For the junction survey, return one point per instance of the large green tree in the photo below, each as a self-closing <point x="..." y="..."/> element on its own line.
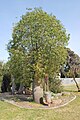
<point x="37" y="47"/>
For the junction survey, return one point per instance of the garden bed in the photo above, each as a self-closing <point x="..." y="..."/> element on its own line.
<point x="24" y="101"/>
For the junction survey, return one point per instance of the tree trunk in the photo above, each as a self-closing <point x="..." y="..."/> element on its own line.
<point x="13" y="87"/>
<point x="33" y="84"/>
<point x="76" y="84"/>
<point x="38" y="94"/>
<point x="21" y="88"/>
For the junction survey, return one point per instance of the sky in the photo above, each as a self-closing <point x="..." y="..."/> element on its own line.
<point x="67" y="11"/>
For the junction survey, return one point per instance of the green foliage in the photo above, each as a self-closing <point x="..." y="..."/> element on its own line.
<point x="55" y="85"/>
<point x="72" y="65"/>
<point x="19" y="68"/>
<point x="1" y="69"/>
<point x="37" y="47"/>
<point x="6" y="68"/>
<point x="1" y="72"/>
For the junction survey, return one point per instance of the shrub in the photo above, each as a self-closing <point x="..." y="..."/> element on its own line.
<point x="55" y="85"/>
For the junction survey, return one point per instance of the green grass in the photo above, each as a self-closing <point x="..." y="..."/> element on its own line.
<point x="70" y="88"/>
<point x="68" y="112"/>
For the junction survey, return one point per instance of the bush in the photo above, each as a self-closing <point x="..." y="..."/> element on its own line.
<point x="55" y="85"/>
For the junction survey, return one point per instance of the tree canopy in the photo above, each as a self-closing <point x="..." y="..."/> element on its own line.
<point x="72" y="64"/>
<point x="37" y="46"/>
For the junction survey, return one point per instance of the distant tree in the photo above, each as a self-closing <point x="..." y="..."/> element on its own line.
<point x="6" y="78"/>
<point x="5" y="87"/>
<point x="72" y="66"/>
<point x="37" y="47"/>
<point x="1" y="70"/>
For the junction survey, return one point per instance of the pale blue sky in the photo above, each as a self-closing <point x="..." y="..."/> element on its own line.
<point x="67" y="11"/>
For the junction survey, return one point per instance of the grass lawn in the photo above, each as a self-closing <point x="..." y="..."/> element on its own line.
<point x="70" y="88"/>
<point x="68" y="112"/>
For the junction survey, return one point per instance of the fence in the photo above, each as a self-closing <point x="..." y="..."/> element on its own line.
<point x="69" y="80"/>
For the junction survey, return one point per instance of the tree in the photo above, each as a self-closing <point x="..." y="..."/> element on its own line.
<point x="1" y="70"/>
<point x="6" y="78"/>
<point x="40" y="40"/>
<point x="74" y="63"/>
<point x="18" y="67"/>
<point x="72" y="66"/>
